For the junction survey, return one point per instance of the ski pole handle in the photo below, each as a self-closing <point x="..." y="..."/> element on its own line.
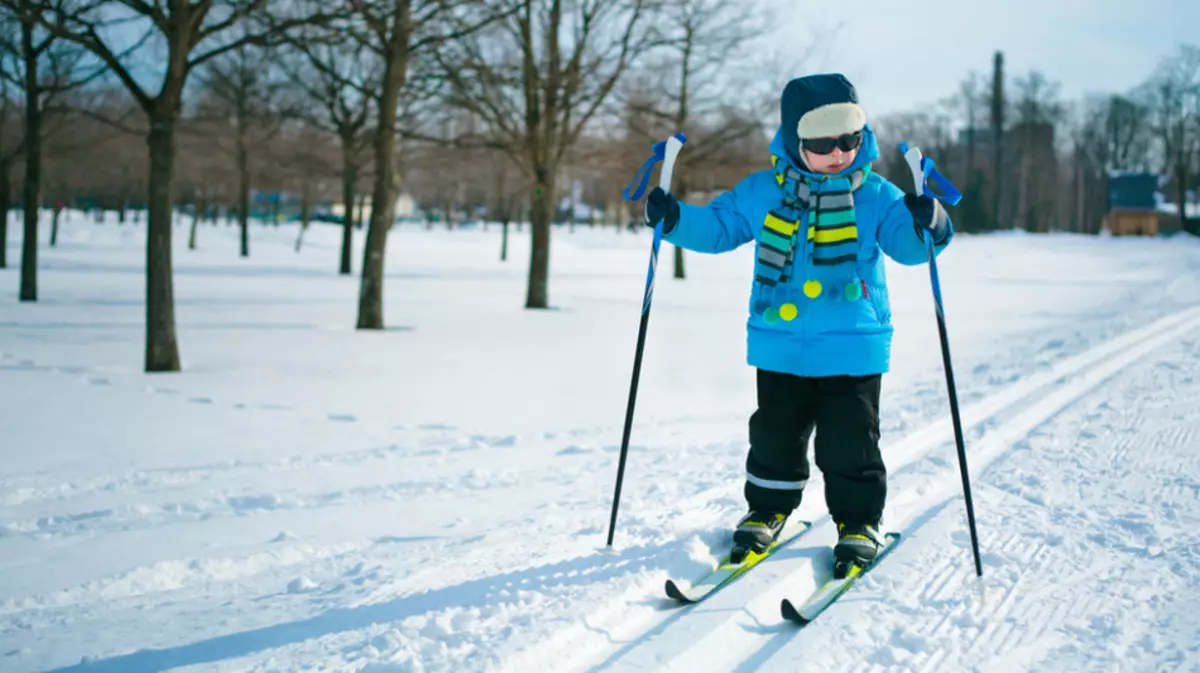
<point x="670" y="153"/>
<point x="923" y="169"/>
<point x="913" y="156"/>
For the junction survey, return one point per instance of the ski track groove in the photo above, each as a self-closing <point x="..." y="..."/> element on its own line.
<point x="1007" y="630"/>
<point x="1074" y="377"/>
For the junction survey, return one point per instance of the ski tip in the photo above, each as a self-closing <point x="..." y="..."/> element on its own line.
<point x="790" y="613"/>
<point x="674" y="592"/>
<point x="681" y="137"/>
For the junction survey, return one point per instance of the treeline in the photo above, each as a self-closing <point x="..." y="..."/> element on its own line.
<point x="1025" y="157"/>
<point x="484" y="106"/>
<point x="511" y="110"/>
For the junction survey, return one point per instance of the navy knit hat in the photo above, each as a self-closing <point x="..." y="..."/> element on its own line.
<point x="819" y="106"/>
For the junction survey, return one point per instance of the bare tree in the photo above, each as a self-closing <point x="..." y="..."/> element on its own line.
<point x="45" y="67"/>
<point x="310" y="155"/>
<point x="341" y="78"/>
<point x="400" y="33"/>
<point x="190" y="33"/>
<point x="203" y="180"/>
<point x="1037" y="113"/>
<point x="11" y="147"/>
<point x="696" y="80"/>
<point x="504" y="195"/>
<point x="928" y="127"/>
<point x="239" y="85"/>
<point x="536" y="81"/>
<point x="1174" y="95"/>
<point x="1090" y="161"/>
<point x="970" y="104"/>
<point x="1127" y="133"/>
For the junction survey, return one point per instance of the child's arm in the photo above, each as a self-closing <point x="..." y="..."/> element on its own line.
<point x="897" y="232"/>
<point x="720" y="226"/>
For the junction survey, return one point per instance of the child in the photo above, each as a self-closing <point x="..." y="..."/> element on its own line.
<point x="819" y="332"/>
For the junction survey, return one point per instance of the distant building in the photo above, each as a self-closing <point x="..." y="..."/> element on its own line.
<point x="1133" y="204"/>
<point x="405" y="208"/>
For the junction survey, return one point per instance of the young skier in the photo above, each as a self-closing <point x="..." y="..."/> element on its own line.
<point x="819" y="331"/>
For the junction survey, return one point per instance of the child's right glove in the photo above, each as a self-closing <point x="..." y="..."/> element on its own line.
<point x="928" y="215"/>
<point x="662" y="206"/>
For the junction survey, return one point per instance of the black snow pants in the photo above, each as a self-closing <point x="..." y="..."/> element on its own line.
<point x="844" y="411"/>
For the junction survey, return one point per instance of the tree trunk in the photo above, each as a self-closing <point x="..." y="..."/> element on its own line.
<point x="1181" y="184"/>
<point x="54" y="226"/>
<point x="572" y="206"/>
<point x="33" y="167"/>
<point x="1077" y="204"/>
<point x="5" y="207"/>
<point x="349" y="181"/>
<point x="997" y="135"/>
<point x="970" y="144"/>
<point x="680" y="272"/>
<point x="504" y="240"/>
<point x="383" y="198"/>
<point x="197" y="214"/>
<point x="162" y="352"/>
<point x="305" y="210"/>
<point x="243" y="169"/>
<point x="541" y="214"/>
<point x="1022" y="215"/>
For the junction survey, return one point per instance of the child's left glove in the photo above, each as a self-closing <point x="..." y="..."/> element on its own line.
<point x="928" y="215"/>
<point x="662" y="206"/>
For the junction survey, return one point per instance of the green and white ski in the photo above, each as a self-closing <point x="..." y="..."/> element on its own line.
<point x="727" y="571"/>
<point x="832" y="589"/>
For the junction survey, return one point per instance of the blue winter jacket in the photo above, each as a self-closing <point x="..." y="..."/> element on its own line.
<point x="831" y="334"/>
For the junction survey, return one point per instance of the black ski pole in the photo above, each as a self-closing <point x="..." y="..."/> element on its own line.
<point x="666" y="152"/>
<point x="921" y="168"/>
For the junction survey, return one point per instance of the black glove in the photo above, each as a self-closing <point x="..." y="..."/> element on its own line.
<point x="662" y="207"/>
<point x="928" y="215"/>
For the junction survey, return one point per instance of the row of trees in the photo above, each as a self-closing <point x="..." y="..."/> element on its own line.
<point x="218" y="82"/>
<point x="485" y="104"/>
<point x="1026" y="157"/>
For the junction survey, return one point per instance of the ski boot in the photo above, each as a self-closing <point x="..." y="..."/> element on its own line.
<point x="856" y="546"/>
<point x="755" y="532"/>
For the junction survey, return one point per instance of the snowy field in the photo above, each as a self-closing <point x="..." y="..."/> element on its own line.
<point x="434" y="497"/>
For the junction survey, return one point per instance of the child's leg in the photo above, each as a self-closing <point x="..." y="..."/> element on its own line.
<point x="847" y="448"/>
<point x="777" y="465"/>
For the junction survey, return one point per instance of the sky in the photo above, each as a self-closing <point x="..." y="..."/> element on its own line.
<point x="901" y="55"/>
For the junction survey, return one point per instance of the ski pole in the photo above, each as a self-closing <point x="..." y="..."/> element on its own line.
<point x="922" y="169"/>
<point x="665" y="151"/>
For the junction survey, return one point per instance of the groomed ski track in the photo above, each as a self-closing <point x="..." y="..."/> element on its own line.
<point x="740" y="629"/>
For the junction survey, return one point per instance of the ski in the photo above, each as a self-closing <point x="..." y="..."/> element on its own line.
<point x="832" y="589"/>
<point x="727" y="571"/>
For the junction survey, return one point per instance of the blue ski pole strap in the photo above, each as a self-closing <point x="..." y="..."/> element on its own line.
<point x="950" y="193"/>
<point x="642" y="179"/>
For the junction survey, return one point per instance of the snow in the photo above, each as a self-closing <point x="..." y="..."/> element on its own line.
<point x="436" y="496"/>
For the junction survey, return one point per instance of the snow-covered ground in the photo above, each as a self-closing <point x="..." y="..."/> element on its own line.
<point x="435" y="497"/>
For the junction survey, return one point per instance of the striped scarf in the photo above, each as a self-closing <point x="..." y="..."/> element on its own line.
<point x="832" y="237"/>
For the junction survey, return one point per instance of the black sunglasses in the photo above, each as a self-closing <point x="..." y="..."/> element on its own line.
<point x="825" y="145"/>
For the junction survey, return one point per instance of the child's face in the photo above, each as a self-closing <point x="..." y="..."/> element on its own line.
<point x="834" y="162"/>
